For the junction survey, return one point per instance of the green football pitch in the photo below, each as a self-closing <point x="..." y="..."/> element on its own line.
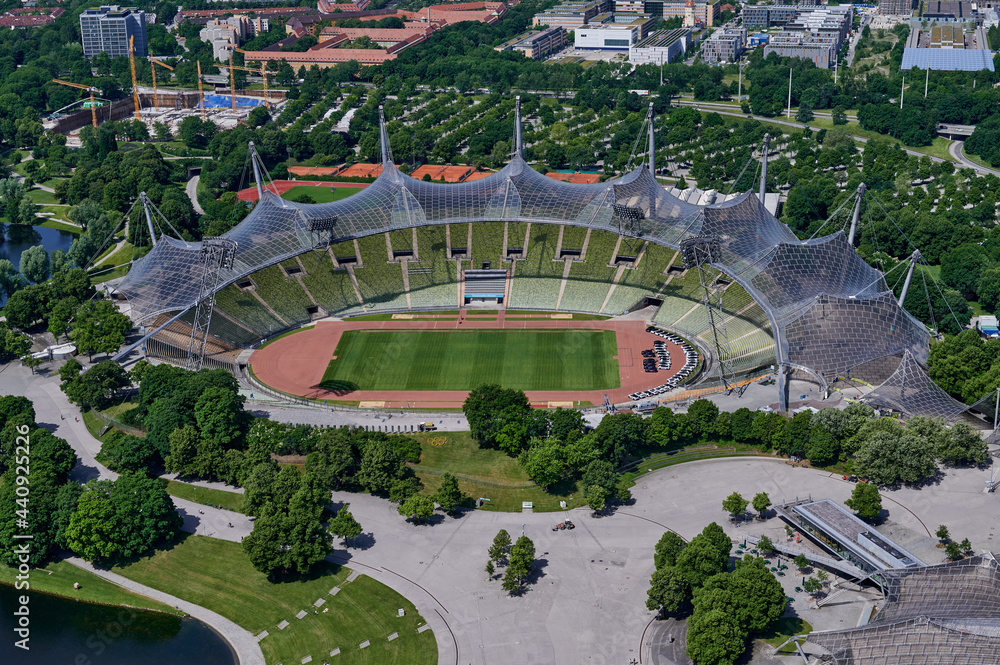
<point x="464" y="359"/>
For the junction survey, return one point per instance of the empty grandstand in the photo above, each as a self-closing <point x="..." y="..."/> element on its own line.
<point x="827" y="311"/>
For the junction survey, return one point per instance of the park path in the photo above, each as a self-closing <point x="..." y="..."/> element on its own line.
<point x="191" y="189"/>
<point x="243" y="643"/>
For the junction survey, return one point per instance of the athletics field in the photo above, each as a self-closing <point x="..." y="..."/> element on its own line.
<point x="430" y="360"/>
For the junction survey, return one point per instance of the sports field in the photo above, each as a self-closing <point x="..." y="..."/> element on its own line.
<point x="464" y="359"/>
<point x="319" y="194"/>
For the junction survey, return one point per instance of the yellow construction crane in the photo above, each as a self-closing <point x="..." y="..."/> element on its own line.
<point x="156" y="99"/>
<point x="135" y="82"/>
<point x="263" y="74"/>
<point x="232" y="82"/>
<point x="201" y="91"/>
<point x="93" y="108"/>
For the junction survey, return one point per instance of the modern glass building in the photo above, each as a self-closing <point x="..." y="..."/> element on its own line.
<point x="108" y="28"/>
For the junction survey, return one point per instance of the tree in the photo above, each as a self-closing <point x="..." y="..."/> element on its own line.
<point x="380" y="464"/>
<point x="127" y="454"/>
<point x="184" y="443"/>
<point x="702" y="415"/>
<point x="448" y="496"/>
<point x="962" y="445"/>
<point x="99" y="328"/>
<point x="668" y="590"/>
<point x="619" y="434"/>
<point x="417" y="508"/>
<point x="839" y="116"/>
<point x="761" y="502"/>
<point x="343" y="525"/>
<point x="498" y="550"/>
<point x="812" y="585"/>
<point x="668" y="548"/>
<point x="522" y="557"/>
<point x="966" y="546"/>
<point x="765" y="545"/>
<point x="544" y="462"/>
<point x="707" y="554"/>
<point x="489" y="408"/>
<point x="942" y="533"/>
<point x="714" y="638"/>
<point x="597" y="498"/>
<point x="220" y="416"/>
<point x="801" y="562"/>
<point x="10" y="278"/>
<point x="98" y="386"/>
<point x="35" y="264"/>
<point x="953" y="550"/>
<point x="735" y="504"/>
<point x="823" y="448"/>
<point x="490" y="568"/>
<point x="865" y="501"/>
<point x="890" y="456"/>
<point x="121" y="519"/>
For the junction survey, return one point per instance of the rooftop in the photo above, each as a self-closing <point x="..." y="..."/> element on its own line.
<point x="860" y="538"/>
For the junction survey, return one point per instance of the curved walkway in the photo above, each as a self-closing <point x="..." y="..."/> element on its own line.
<point x="242" y="642"/>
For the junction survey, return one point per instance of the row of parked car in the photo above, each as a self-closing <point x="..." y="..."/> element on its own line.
<point x="659" y="358"/>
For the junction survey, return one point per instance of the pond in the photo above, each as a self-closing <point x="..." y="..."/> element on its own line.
<point x="68" y="631"/>
<point x="18" y="238"/>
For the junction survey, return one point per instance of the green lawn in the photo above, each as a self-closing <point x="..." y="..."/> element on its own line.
<point x="464" y="359"/>
<point x="217" y="575"/>
<point x="483" y="472"/>
<point x="784" y="628"/>
<point x="320" y="194"/>
<point x="209" y="497"/>
<point x="58" y="577"/>
<point x="41" y="197"/>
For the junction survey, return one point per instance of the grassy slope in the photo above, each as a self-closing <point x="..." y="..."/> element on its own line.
<point x="486" y="473"/>
<point x="460" y="360"/>
<point x="58" y="577"/>
<point x="217" y="575"/>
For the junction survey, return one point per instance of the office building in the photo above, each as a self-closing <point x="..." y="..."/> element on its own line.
<point x="536" y="45"/>
<point x="661" y="47"/>
<point x="108" y="28"/>
<point x="706" y="13"/>
<point x="572" y="15"/>
<point x="724" y="46"/>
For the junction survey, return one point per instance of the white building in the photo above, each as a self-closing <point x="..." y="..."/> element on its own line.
<point x="661" y="47"/>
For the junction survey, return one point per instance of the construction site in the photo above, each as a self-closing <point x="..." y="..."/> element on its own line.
<point x="152" y="105"/>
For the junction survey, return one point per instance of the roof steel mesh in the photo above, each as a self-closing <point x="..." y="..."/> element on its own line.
<point x="936" y="615"/>
<point x="829" y="310"/>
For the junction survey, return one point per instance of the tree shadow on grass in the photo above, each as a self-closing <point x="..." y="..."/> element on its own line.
<point x="336" y="386"/>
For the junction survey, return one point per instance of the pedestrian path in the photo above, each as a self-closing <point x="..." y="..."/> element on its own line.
<point x="241" y="641"/>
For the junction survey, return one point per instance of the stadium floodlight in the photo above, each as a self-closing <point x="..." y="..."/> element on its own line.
<point x="321" y="224"/>
<point x="628" y="213"/>
<point x="701" y="250"/>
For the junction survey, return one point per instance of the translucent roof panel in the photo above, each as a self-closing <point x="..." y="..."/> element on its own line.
<point x="830" y="311"/>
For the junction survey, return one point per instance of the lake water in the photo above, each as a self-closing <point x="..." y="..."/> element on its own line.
<point x="68" y="632"/>
<point x="18" y="238"/>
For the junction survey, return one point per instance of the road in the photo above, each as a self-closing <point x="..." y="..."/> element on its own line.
<point x="865" y="20"/>
<point x="192" y="191"/>
<point x="955" y="150"/>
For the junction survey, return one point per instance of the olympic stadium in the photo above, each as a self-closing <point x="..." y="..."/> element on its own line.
<point x="813" y="309"/>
